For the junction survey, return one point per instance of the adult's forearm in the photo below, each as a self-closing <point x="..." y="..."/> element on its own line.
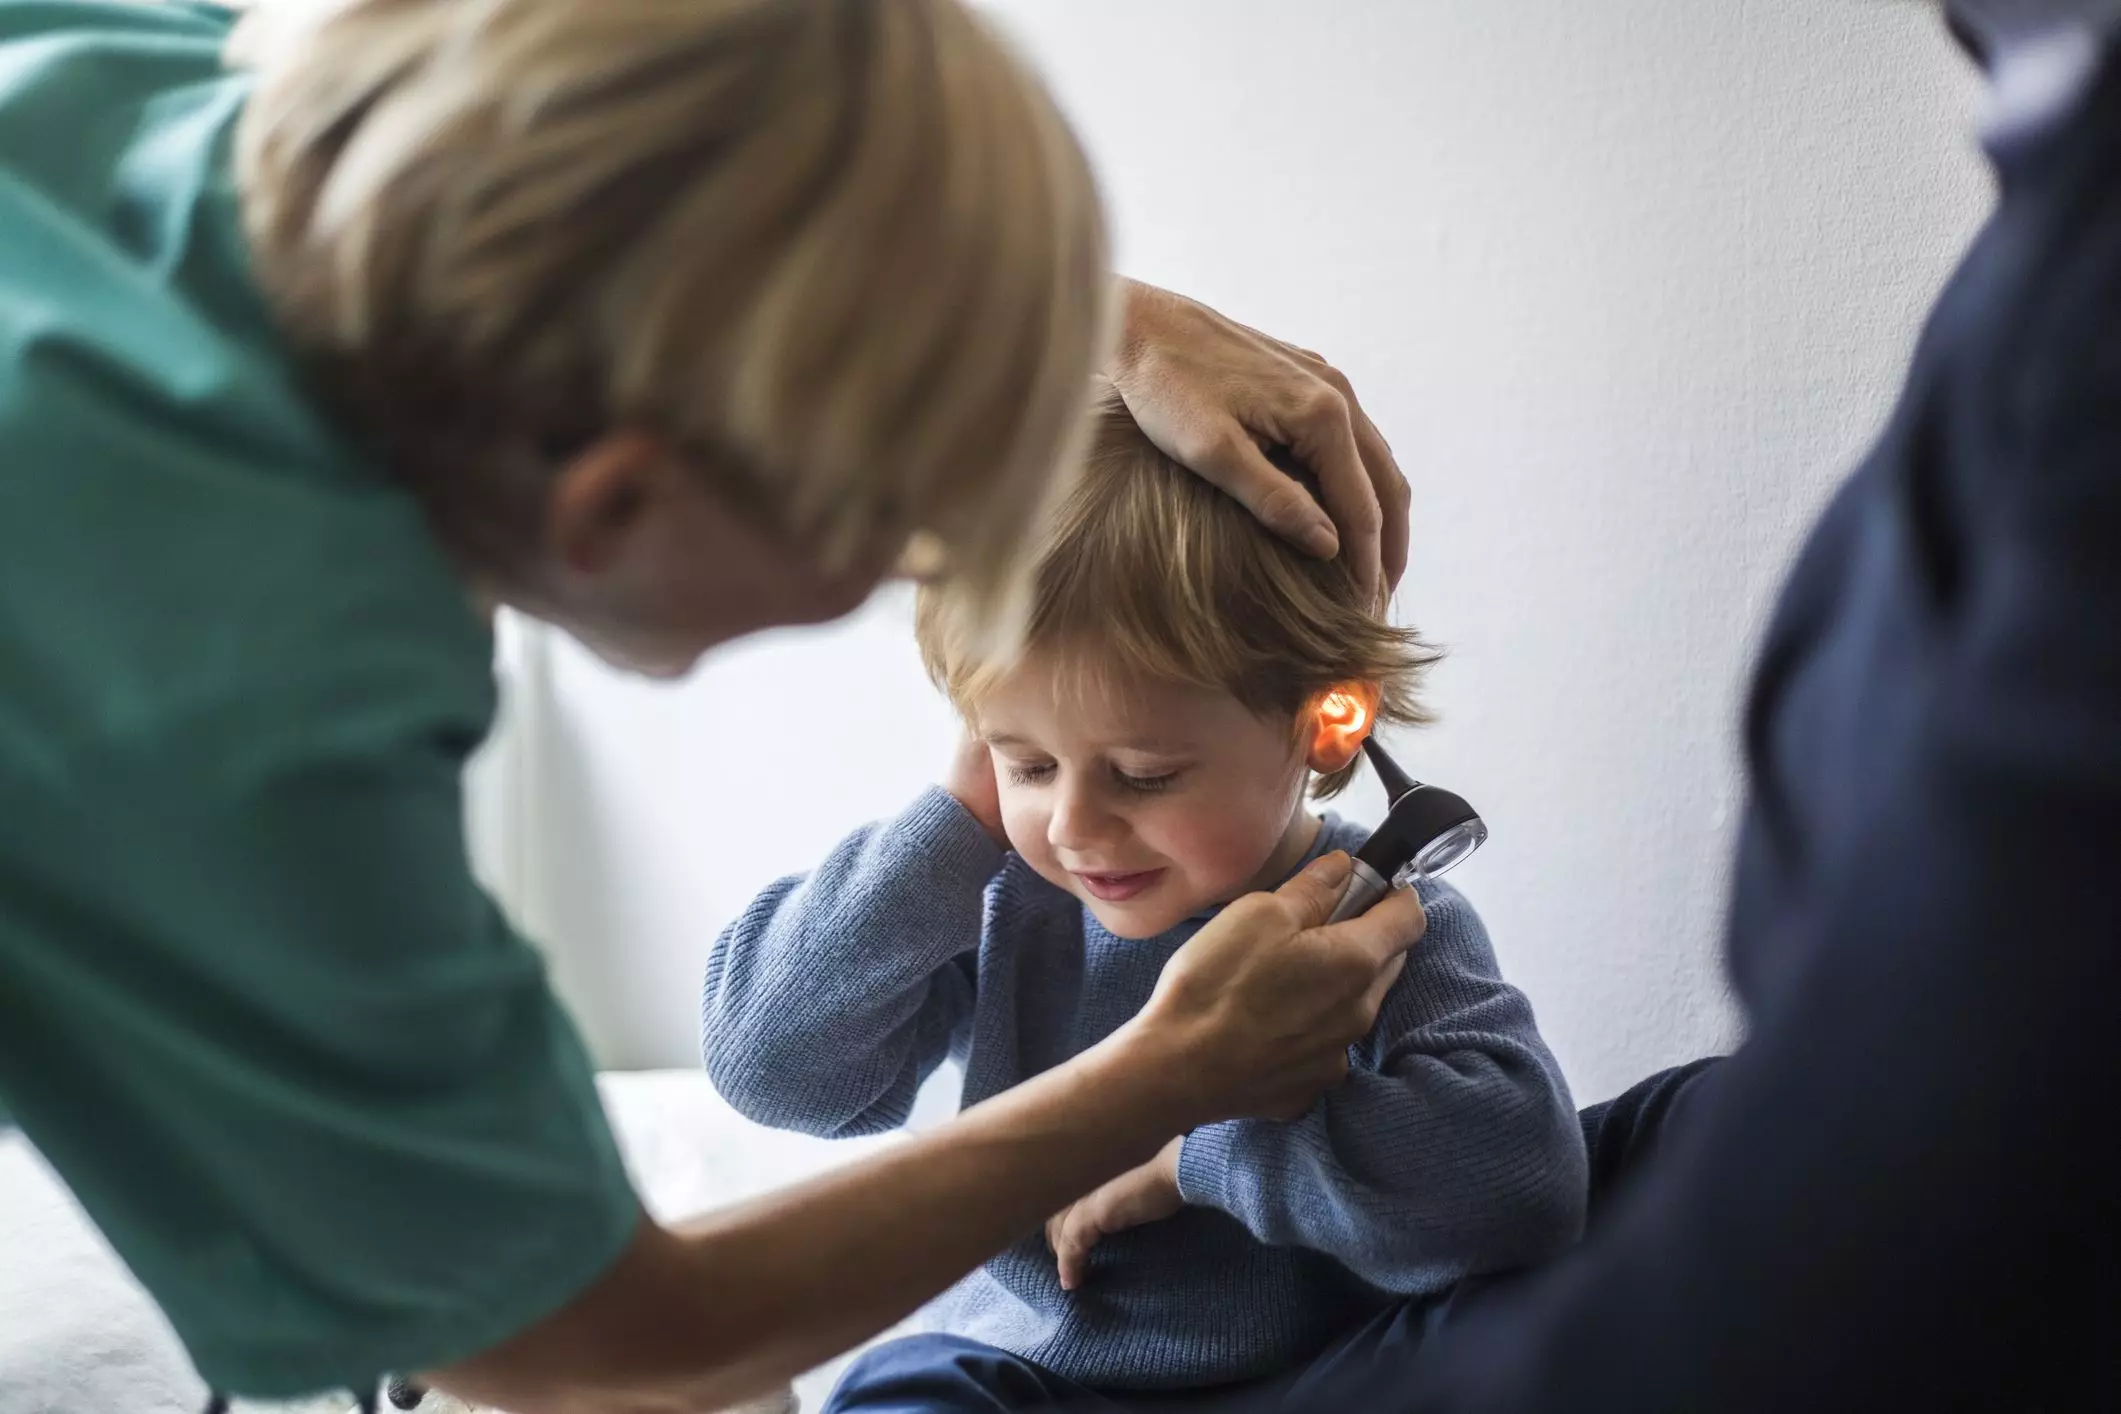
<point x="1254" y="1016"/>
<point x="739" y="1302"/>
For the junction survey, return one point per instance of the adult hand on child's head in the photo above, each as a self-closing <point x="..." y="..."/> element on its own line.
<point x="1139" y="1196"/>
<point x="970" y="780"/>
<point x="1261" y="1005"/>
<point x="1212" y="393"/>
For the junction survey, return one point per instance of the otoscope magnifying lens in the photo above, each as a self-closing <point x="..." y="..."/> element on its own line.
<point x="1449" y="849"/>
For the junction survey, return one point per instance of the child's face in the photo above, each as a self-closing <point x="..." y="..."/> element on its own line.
<point x="1147" y="801"/>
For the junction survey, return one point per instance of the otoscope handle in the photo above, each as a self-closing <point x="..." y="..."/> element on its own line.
<point x="1364" y="888"/>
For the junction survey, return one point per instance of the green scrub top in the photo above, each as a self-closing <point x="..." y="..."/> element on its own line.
<point x="253" y="1007"/>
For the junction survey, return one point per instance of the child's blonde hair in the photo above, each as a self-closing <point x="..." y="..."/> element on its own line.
<point x="844" y="255"/>
<point x="1149" y="570"/>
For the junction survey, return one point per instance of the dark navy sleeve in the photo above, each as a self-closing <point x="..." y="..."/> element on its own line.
<point x="1905" y="1191"/>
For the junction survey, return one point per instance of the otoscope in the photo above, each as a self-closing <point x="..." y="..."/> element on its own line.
<point x="1427" y="831"/>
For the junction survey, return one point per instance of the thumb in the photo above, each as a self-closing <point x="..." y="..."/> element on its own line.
<point x="1317" y="887"/>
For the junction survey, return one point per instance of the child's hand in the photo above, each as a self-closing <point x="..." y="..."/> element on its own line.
<point x="971" y="780"/>
<point x="1147" y="1194"/>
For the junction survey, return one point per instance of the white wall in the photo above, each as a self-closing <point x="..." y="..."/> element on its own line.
<point x="1628" y="284"/>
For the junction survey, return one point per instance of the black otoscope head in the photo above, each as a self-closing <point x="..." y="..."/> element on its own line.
<point x="1395" y="781"/>
<point x="1427" y="830"/>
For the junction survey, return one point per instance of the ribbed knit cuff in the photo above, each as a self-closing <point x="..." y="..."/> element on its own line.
<point x="1204" y="1166"/>
<point x="952" y="847"/>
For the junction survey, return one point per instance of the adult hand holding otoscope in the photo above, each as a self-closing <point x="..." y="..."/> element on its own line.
<point x="1373" y="921"/>
<point x="1310" y="960"/>
<point x="1426" y="832"/>
<point x="1278" y="968"/>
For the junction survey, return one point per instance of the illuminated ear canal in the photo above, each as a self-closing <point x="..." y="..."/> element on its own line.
<point x="1341" y="720"/>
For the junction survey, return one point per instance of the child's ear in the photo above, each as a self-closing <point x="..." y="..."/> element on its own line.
<point x="1337" y="723"/>
<point x="602" y="497"/>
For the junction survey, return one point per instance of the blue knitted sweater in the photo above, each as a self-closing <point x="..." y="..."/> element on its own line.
<point x="1452" y="1148"/>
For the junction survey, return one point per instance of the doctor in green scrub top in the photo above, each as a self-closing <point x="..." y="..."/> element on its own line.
<point x="325" y="332"/>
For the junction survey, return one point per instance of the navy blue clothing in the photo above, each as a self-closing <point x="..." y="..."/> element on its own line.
<point x="1905" y="1191"/>
<point x="1622" y="1135"/>
<point x="950" y="1374"/>
<point x="953" y="1374"/>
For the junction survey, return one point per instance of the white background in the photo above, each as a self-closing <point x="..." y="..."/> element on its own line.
<point x="1628" y="285"/>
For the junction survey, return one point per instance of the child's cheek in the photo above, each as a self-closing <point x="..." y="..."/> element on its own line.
<point x="1024" y="822"/>
<point x="1218" y="849"/>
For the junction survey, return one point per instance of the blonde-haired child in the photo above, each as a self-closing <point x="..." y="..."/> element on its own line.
<point x="1143" y="761"/>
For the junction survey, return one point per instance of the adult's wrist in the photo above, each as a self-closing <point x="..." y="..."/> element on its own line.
<point x="1146" y="1073"/>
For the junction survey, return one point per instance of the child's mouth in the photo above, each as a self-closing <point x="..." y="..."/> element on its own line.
<point x="1118" y="888"/>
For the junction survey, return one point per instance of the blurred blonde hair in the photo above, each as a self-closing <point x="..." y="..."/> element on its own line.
<point x="1148" y="571"/>
<point x="846" y="256"/>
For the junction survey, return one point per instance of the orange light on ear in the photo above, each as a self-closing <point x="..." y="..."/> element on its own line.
<point x="1343" y="720"/>
<point x="1344" y="711"/>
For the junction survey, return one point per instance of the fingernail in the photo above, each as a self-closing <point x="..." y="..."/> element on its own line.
<point x="1330" y="868"/>
<point x="1321" y="539"/>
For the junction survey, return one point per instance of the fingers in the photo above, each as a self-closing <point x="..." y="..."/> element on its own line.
<point x="1375" y="998"/>
<point x="1381" y="467"/>
<point x="970" y="780"/>
<point x="1071" y="1234"/>
<point x="1056" y="1231"/>
<point x="1143" y="1195"/>
<point x="1237" y="466"/>
<point x="1389" y="930"/>
<point x="1210" y="391"/>
<point x="1316" y="889"/>
<point x="1395" y="499"/>
<point x="1322" y="433"/>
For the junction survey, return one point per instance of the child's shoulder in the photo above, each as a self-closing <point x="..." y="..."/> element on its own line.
<point x="1338" y="832"/>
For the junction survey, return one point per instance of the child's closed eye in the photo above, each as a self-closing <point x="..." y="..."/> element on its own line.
<point x="1038" y="773"/>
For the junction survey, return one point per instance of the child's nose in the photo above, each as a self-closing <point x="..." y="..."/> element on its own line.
<point x="1079" y="820"/>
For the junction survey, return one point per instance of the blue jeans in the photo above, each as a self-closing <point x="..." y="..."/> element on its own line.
<point x="947" y="1374"/>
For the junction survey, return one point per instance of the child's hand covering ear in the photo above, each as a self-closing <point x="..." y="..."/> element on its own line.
<point x="1137" y="1197"/>
<point x="971" y="781"/>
